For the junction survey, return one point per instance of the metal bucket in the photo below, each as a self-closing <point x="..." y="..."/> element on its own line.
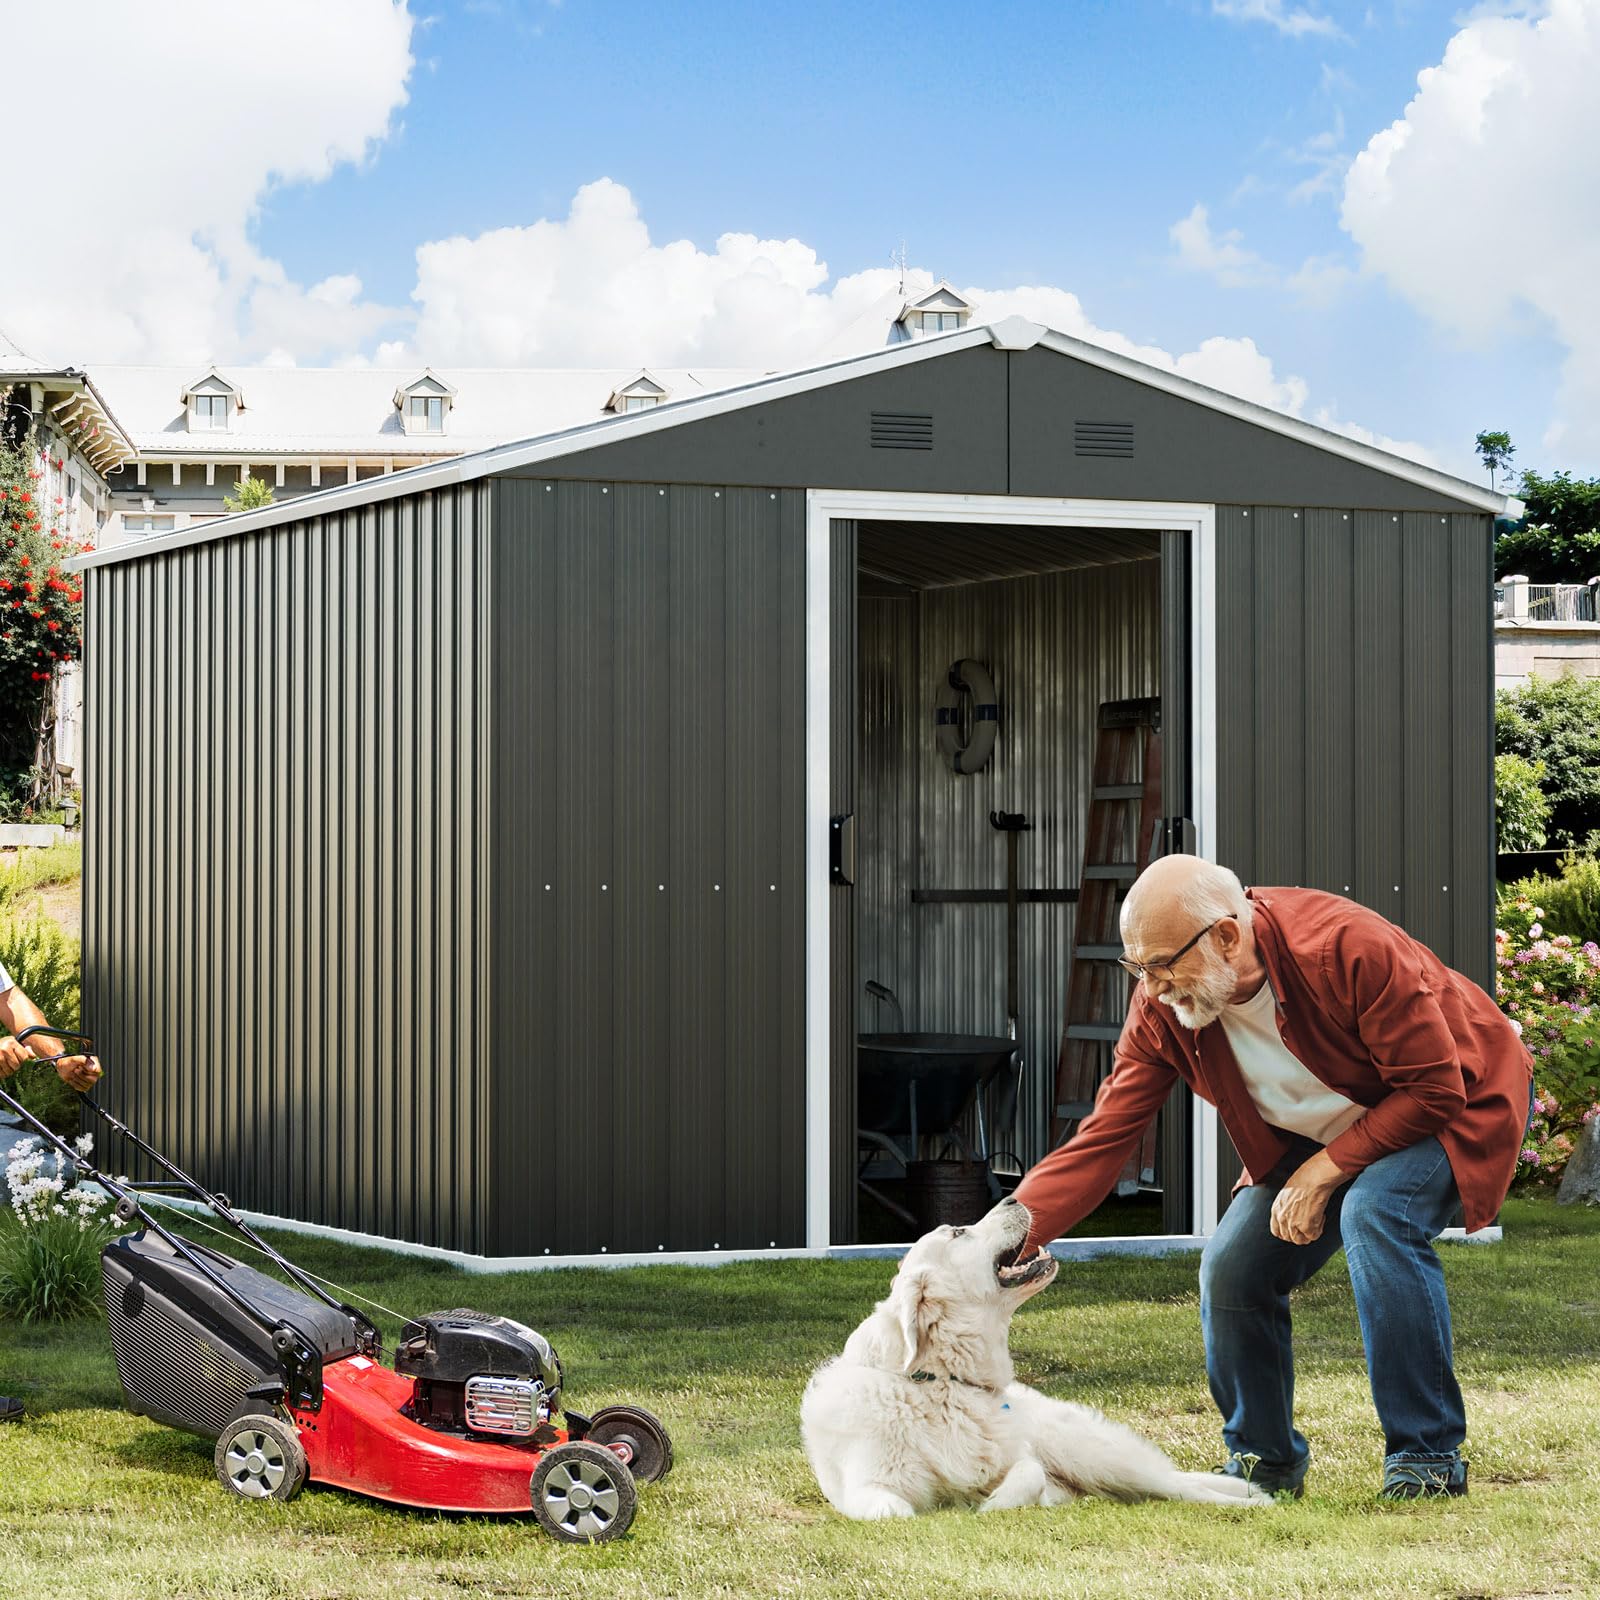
<point x="940" y="1192"/>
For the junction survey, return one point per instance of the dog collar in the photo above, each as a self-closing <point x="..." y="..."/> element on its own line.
<point x="950" y="1377"/>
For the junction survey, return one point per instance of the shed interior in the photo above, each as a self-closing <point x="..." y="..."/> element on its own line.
<point x="1065" y="619"/>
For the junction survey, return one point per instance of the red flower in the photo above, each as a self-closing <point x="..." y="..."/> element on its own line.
<point x="52" y="626"/>
<point x="27" y="588"/>
<point x="27" y="499"/>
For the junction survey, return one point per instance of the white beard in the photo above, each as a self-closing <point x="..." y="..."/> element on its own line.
<point x="1206" y="996"/>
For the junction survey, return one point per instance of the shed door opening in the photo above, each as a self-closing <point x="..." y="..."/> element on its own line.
<point x="1072" y="626"/>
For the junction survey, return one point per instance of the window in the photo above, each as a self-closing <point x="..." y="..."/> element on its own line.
<point x="640" y="402"/>
<point x="425" y="413"/>
<point x="210" y="411"/>
<point x="940" y="321"/>
<point x="143" y="522"/>
<point x="72" y="487"/>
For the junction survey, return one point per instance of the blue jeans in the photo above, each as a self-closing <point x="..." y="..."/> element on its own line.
<point x="1386" y="1218"/>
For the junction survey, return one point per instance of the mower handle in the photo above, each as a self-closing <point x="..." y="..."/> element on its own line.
<point x="56" y="1033"/>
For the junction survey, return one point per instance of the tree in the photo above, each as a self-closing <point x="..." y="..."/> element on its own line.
<point x="254" y="493"/>
<point x="1497" y="451"/>
<point x="1553" y="721"/>
<point x="1558" y="541"/>
<point x="41" y="623"/>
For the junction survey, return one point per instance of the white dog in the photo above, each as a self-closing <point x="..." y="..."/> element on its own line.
<point x="921" y="1409"/>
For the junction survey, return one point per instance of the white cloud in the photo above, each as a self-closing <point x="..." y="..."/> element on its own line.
<point x="1297" y="24"/>
<point x="1482" y="202"/>
<point x="1319" y="281"/>
<point x="1326" y="417"/>
<point x="1219" y="255"/>
<point x="180" y="116"/>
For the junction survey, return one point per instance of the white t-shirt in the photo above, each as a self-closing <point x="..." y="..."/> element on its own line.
<point x="5" y="980"/>
<point x="1284" y="1092"/>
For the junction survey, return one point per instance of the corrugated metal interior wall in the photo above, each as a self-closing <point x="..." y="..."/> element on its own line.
<point x="285" y="936"/>
<point x="1058" y="645"/>
<point x="649" y="966"/>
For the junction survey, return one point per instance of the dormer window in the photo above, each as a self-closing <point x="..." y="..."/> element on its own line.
<point x="424" y="413"/>
<point x="424" y="403"/>
<point x="640" y="393"/>
<point x="940" y="310"/>
<point x="211" y="402"/>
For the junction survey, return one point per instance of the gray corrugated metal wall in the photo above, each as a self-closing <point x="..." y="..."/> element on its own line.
<point x="1058" y="644"/>
<point x="285" y="951"/>
<point x="1355" y="741"/>
<point x="648" y="762"/>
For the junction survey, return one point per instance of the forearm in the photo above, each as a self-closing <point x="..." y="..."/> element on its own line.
<point x="17" y="1013"/>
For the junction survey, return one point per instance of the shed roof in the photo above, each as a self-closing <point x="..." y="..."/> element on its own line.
<point x="1012" y="334"/>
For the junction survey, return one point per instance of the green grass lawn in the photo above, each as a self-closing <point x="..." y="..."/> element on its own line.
<point x="95" y="1502"/>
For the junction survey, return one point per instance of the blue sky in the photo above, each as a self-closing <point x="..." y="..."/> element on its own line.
<point x="1041" y="145"/>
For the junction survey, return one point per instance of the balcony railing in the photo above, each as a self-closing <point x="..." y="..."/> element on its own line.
<point x="1515" y="599"/>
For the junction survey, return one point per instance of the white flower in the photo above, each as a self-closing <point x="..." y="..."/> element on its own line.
<point x="1515" y="1024"/>
<point x="84" y="1144"/>
<point x="1535" y="930"/>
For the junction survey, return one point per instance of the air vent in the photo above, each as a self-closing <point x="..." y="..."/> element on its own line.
<point x="901" y="430"/>
<point x="1102" y="438"/>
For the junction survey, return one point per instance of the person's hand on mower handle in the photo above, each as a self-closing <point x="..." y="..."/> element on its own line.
<point x="77" y="1072"/>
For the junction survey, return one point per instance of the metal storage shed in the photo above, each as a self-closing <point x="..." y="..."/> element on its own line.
<point x="457" y="863"/>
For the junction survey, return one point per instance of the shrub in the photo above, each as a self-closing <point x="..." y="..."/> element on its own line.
<point x="1553" y="721"/>
<point x="50" y="1242"/>
<point x="1521" y="808"/>
<point x="44" y="962"/>
<point x="1549" y="985"/>
<point x="1570" y="902"/>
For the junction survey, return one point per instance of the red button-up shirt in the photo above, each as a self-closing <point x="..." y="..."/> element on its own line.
<point x="1367" y="1010"/>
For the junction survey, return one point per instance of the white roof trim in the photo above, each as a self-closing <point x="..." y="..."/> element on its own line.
<point x="211" y="375"/>
<point x="1310" y="433"/>
<point x="553" y="446"/>
<point x="426" y="376"/>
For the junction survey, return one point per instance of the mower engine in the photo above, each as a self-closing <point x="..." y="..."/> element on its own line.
<point x="480" y="1374"/>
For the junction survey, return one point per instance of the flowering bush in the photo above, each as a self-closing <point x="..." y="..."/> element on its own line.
<point x="41" y="609"/>
<point x="50" y="1244"/>
<point x="1549" y="985"/>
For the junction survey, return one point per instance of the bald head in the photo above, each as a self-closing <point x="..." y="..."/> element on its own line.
<point x="1179" y="890"/>
<point x="1169" y="904"/>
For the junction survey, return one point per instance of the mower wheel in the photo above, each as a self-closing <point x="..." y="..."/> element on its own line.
<point x="644" y="1443"/>
<point x="583" y="1493"/>
<point x="260" y="1458"/>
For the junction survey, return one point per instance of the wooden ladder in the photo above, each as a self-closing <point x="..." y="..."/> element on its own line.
<point x="1120" y="840"/>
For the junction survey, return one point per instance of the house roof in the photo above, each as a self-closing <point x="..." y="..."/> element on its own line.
<point x="332" y="411"/>
<point x="1014" y="333"/>
<point x="81" y="413"/>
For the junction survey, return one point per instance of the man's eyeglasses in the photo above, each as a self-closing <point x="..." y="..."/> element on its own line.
<point x="1162" y="970"/>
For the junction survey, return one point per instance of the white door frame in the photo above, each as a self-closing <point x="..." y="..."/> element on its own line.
<point x="824" y="506"/>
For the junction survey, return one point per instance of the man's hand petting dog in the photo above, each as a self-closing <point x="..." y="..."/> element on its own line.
<point x="1301" y="1207"/>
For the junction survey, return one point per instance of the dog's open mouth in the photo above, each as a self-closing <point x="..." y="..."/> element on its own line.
<point x="1013" y="1272"/>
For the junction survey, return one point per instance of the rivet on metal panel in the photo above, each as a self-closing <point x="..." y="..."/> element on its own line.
<point x="1247" y="513"/>
<point x="1347" y="888"/>
<point x="1397" y="888"/>
<point x="547" y="1249"/>
<point x="716" y="1244"/>
<point x="1297" y="516"/>
<point x="772" y="497"/>
<point x="1444" y="519"/>
<point x="773" y="887"/>
<point x="661" y="888"/>
<point x="716" y="494"/>
<point x="547" y="888"/>
<point x="1394" y="519"/>
<point x="1447" y="888"/>
<point x="661" y="491"/>
<point x="604" y="490"/>
<point x="661" y="1247"/>
<point x="547" y="488"/>
<point x="717" y="887"/>
<point x="604" y="887"/>
<point x="602" y="1249"/>
<point x="772" y="1244"/>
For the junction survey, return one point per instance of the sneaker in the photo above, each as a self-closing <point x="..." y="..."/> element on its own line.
<point x="10" y="1410"/>
<point x="1273" y="1476"/>
<point x="1423" y="1480"/>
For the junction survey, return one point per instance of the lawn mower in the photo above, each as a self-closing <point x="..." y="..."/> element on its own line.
<point x="290" y="1383"/>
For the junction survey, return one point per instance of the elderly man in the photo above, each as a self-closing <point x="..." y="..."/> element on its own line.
<point x="18" y="1012"/>
<point x="1369" y="1090"/>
